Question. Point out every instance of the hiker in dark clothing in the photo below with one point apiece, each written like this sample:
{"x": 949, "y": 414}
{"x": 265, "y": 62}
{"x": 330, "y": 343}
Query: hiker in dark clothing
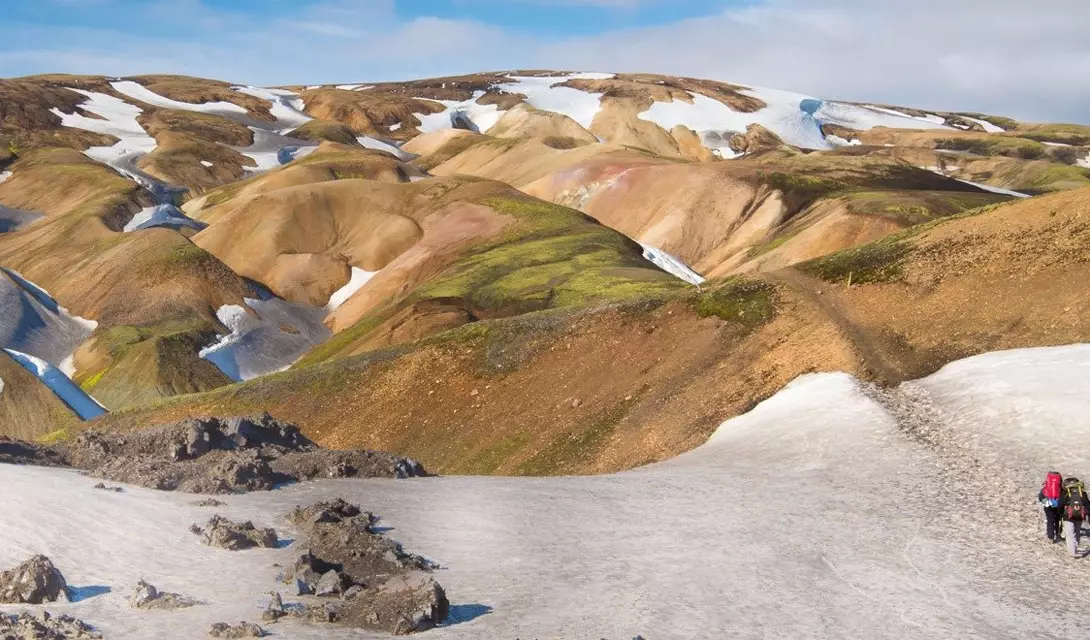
{"x": 1073, "y": 508}
{"x": 1049, "y": 497}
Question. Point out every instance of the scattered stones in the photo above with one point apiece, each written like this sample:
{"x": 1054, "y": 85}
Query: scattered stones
{"x": 147, "y": 597}
{"x": 241, "y": 630}
{"x": 45, "y": 627}
{"x": 102, "y": 487}
{"x": 208, "y": 502}
{"x": 367, "y": 580}
{"x": 36, "y": 581}
{"x": 209, "y": 455}
{"x": 275, "y": 610}
{"x": 234, "y": 536}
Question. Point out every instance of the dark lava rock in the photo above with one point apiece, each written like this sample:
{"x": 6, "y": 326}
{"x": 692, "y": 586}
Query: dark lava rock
{"x": 36, "y": 581}
{"x": 19, "y": 452}
{"x": 365, "y": 579}
{"x": 209, "y": 455}
{"x": 146, "y": 596}
{"x": 208, "y": 502}
{"x": 45, "y": 627}
{"x": 102, "y": 487}
{"x": 234, "y": 536}
{"x": 241, "y": 630}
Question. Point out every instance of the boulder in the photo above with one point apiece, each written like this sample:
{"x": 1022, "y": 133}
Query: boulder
{"x": 234, "y": 536}
{"x": 36, "y": 581}
{"x": 241, "y": 630}
{"x": 146, "y": 596}
{"x": 44, "y": 626}
{"x": 332, "y": 583}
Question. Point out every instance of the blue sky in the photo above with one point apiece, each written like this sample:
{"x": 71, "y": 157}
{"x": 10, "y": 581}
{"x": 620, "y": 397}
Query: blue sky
{"x": 1010, "y": 57}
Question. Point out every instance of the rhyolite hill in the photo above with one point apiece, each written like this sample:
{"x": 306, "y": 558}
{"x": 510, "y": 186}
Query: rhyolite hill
{"x": 524, "y": 272}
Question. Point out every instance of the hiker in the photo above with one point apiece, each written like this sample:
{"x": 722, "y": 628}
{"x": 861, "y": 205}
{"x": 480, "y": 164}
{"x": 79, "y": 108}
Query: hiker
{"x": 1073, "y": 505}
{"x": 1049, "y": 497}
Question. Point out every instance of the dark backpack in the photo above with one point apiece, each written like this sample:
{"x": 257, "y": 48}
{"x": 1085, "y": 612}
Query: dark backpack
{"x": 1076, "y": 501}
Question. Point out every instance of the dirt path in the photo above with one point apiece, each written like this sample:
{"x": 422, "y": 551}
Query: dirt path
{"x": 878, "y": 362}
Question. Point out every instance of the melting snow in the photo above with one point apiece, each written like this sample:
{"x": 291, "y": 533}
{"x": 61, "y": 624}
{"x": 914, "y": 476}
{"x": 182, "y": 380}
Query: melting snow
{"x": 348, "y": 87}
{"x": 395, "y": 126}
{"x": 4, "y": 175}
{"x": 355, "y": 283}
{"x": 59, "y": 383}
{"x": 139, "y": 92}
{"x": 671, "y": 264}
{"x": 841, "y": 142}
{"x": 540, "y": 92}
{"x": 796, "y": 118}
{"x": 284, "y": 107}
{"x": 206, "y": 163}
{"x": 1001, "y": 190}
{"x": 1084, "y": 162}
{"x": 163, "y": 215}
{"x": 267, "y": 335}
{"x": 988, "y": 127}
{"x": 119, "y": 120}
{"x": 32, "y": 322}
{"x": 375, "y": 143}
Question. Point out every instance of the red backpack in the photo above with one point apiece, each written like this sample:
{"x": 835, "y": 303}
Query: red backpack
{"x": 1051, "y": 490}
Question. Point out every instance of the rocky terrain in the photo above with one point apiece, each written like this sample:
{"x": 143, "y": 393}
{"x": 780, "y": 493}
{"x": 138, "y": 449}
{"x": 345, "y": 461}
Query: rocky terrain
{"x": 208, "y": 455}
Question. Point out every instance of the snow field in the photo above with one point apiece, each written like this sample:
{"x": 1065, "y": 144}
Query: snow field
{"x": 355, "y": 283}
{"x": 815, "y": 515}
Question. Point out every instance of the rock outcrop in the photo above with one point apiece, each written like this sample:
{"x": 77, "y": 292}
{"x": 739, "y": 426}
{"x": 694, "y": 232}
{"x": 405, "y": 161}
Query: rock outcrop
{"x": 147, "y": 597}
{"x": 241, "y": 630}
{"x": 234, "y": 536}
{"x": 45, "y": 626}
{"x": 36, "y": 581}
{"x": 210, "y": 455}
{"x": 364, "y": 579}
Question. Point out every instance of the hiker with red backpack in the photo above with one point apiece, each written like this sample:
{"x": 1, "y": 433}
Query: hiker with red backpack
{"x": 1049, "y": 497}
{"x": 1074, "y": 505}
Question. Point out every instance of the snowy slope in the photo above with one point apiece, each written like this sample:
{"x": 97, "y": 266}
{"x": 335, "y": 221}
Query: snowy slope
{"x": 162, "y": 215}
{"x": 118, "y": 120}
{"x": 355, "y": 283}
{"x": 816, "y": 515}
{"x": 671, "y": 264}
{"x": 796, "y": 118}
{"x": 267, "y": 336}
{"x": 32, "y": 322}
{"x": 59, "y": 383}
{"x": 541, "y": 93}
{"x": 143, "y": 94}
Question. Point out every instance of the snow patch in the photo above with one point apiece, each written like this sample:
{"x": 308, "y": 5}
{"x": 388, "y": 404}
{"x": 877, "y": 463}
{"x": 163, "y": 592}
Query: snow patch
{"x": 359, "y": 278}
{"x": 671, "y": 264}
{"x": 1084, "y": 162}
{"x": 283, "y": 106}
{"x": 163, "y": 215}
{"x": 379, "y": 145}
{"x": 349, "y": 87}
{"x": 60, "y": 384}
{"x": 206, "y": 163}
{"x": 139, "y": 92}
{"x": 543, "y": 93}
{"x": 266, "y": 336}
{"x": 118, "y": 120}
{"x": 395, "y": 126}
{"x": 1054, "y": 144}
{"x": 841, "y": 142}
{"x": 1001, "y": 190}
{"x": 988, "y": 127}
{"x": 4, "y": 176}
{"x": 483, "y": 116}
{"x": 32, "y": 322}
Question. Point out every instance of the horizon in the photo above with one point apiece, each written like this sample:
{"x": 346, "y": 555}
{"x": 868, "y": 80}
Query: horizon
{"x": 888, "y": 54}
